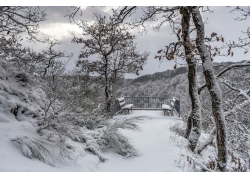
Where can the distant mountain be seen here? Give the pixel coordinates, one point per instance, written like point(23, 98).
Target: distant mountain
point(167, 84)
point(161, 84)
point(160, 75)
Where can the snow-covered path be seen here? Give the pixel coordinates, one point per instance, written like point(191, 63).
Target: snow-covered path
point(158, 151)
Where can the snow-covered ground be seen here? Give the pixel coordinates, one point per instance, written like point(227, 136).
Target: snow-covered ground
point(159, 150)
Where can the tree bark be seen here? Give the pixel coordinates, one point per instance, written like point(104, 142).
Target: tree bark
point(108, 98)
point(213, 88)
point(193, 125)
point(107, 87)
point(189, 125)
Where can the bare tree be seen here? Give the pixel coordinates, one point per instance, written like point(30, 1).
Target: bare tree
point(193, 124)
point(21, 19)
point(16, 24)
point(243, 43)
point(213, 88)
point(109, 51)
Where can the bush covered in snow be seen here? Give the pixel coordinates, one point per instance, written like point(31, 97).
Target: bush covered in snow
point(65, 113)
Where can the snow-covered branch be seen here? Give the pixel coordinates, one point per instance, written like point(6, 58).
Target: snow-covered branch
point(238, 65)
point(240, 92)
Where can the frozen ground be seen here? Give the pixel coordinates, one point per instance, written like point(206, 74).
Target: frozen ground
point(158, 149)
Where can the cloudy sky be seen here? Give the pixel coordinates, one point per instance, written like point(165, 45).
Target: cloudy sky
point(220, 21)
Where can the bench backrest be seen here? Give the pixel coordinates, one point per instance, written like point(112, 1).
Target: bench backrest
point(121, 102)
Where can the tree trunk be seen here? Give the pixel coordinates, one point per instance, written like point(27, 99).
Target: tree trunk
point(213, 88)
point(189, 125)
point(193, 126)
point(107, 87)
point(108, 98)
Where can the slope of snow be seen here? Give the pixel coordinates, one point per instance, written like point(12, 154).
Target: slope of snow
point(158, 152)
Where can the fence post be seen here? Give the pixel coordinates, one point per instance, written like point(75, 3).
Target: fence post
point(116, 108)
point(148, 102)
point(180, 106)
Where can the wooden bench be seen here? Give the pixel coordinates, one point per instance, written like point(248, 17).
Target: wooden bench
point(123, 106)
point(166, 109)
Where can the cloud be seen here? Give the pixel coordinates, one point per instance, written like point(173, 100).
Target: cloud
point(220, 21)
point(61, 31)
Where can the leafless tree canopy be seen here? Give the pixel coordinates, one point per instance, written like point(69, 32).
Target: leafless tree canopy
point(109, 50)
point(20, 19)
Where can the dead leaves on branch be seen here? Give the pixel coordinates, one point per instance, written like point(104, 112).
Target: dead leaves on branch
point(213, 34)
point(171, 56)
point(159, 51)
point(229, 49)
point(158, 57)
point(177, 52)
point(174, 50)
point(222, 39)
point(179, 31)
point(217, 38)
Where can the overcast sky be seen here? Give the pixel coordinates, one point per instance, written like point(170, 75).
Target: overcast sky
point(220, 21)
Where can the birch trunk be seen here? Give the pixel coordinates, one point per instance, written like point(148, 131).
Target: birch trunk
point(213, 88)
point(193, 126)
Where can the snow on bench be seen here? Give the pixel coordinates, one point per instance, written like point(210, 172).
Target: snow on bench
point(124, 107)
point(166, 109)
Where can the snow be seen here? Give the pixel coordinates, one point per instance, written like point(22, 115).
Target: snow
point(12, 159)
point(158, 152)
point(127, 106)
point(120, 99)
point(165, 106)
